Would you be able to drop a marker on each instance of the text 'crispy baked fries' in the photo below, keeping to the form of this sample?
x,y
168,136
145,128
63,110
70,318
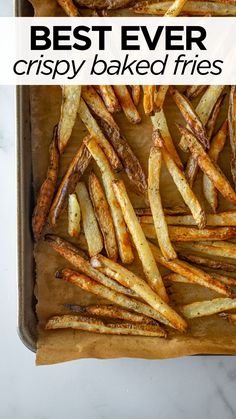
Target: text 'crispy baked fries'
x,y
69,107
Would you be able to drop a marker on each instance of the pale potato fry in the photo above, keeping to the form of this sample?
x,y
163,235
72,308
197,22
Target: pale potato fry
x,y
74,216
226,218
194,91
69,107
172,277
196,275
122,236
127,104
191,8
69,8
148,99
216,147
76,168
229,316
161,229
232,130
190,116
206,262
159,97
216,248
188,195
210,126
208,166
159,123
96,132
208,307
136,93
103,215
90,225
47,190
175,8
222,276
149,265
138,285
90,324
80,261
109,98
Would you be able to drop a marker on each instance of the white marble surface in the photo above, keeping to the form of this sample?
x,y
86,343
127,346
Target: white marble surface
x,y
196,387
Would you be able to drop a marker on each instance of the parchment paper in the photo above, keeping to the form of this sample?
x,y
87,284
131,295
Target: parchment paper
x,y
212,335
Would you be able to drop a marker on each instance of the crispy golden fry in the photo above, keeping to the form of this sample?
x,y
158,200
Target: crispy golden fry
x,y
175,8
148,99
79,260
222,276
232,130
226,218
138,285
191,8
172,277
91,229
109,98
206,262
208,166
74,216
90,324
69,8
210,126
149,265
76,168
130,162
178,176
110,311
127,104
146,212
136,93
47,189
215,248
196,275
229,316
96,104
103,215
194,91
161,229
159,123
122,236
96,132
159,97
208,307
69,107
190,116
216,147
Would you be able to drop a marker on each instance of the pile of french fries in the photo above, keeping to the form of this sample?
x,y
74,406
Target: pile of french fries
x,y
194,246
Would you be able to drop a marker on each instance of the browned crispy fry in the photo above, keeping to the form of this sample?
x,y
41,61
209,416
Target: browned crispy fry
x,y
178,176
104,4
191,8
215,248
194,91
229,316
206,262
208,307
69,8
130,162
149,265
175,8
136,93
103,215
127,104
159,97
69,107
74,216
232,130
47,189
216,147
224,219
160,226
122,236
96,132
190,116
148,99
90,324
176,210
76,168
172,277
210,126
196,275
78,259
109,98
110,311
208,166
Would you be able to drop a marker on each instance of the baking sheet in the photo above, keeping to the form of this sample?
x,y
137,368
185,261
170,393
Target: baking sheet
x,y
212,335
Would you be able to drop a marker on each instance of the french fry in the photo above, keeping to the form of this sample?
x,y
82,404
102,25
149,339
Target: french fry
x,y
122,236
74,216
76,168
69,8
110,311
159,123
149,265
232,130
136,93
138,285
172,277
90,225
103,215
196,275
175,210
90,324
208,166
208,307
215,248
229,316
148,99
175,8
109,98
188,195
216,147
160,226
210,126
47,189
194,91
96,132
79,260
190,116
69,107
191,8
224,219
159,97
127,104
207,262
